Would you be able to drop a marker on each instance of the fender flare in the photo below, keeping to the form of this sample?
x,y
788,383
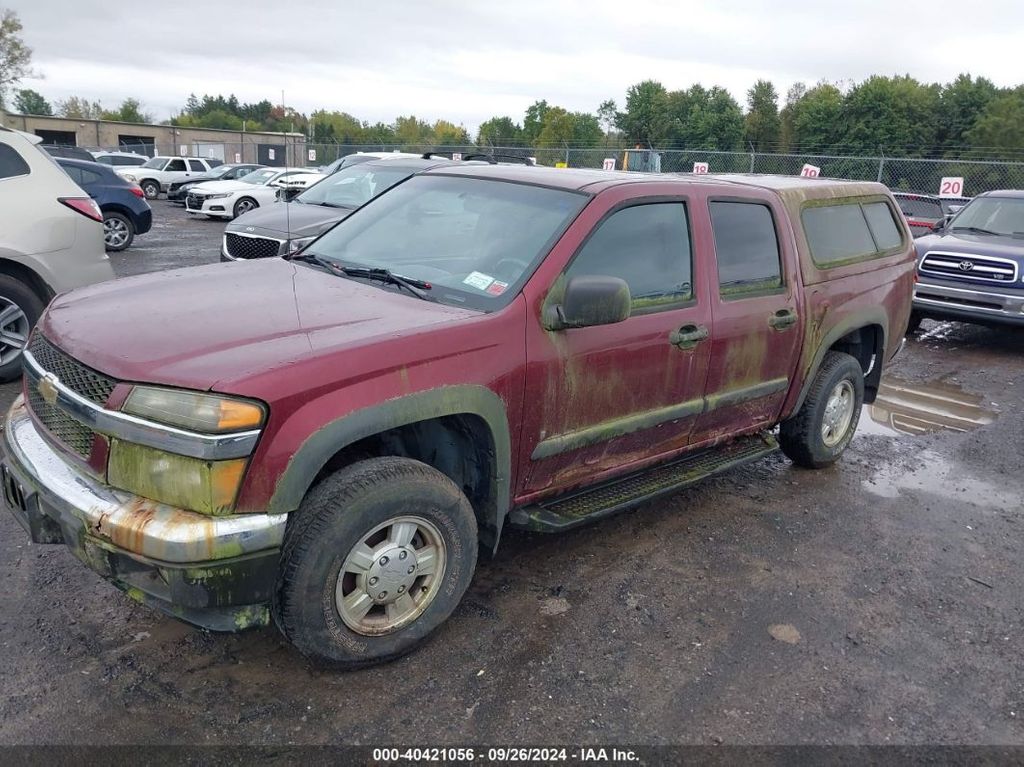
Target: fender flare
x,y
855,321
335,435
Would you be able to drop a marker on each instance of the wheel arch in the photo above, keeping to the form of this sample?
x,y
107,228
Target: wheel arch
x,y
462,431
862,335
28,276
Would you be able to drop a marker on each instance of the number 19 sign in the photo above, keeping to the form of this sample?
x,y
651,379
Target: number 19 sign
x,y
700,168
951,186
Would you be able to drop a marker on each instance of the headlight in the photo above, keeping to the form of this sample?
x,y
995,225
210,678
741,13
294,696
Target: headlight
x,y
217,196
209,487
205,486
294,246
128,177
205,413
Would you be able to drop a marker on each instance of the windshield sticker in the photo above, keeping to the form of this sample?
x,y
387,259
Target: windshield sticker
x,y
496,288
478,280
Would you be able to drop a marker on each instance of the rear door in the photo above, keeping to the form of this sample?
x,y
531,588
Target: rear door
x,y
756,325
608,397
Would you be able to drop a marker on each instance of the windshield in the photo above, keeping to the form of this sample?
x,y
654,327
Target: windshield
x,y
475,241
352,186
261,176
219,171
156,163
998,215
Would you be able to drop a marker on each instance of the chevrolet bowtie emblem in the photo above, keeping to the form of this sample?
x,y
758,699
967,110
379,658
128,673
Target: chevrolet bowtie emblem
x,y
47,388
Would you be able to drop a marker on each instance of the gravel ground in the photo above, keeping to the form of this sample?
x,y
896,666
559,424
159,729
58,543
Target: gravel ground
x,y
879,601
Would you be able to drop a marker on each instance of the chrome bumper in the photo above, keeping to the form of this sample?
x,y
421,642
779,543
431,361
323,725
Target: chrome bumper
x,y
39,484
938,298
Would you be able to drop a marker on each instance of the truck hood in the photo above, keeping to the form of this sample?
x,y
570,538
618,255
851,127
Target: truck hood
x,y
298,219
209,326
976,244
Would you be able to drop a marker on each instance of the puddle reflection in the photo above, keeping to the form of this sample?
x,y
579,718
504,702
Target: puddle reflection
x,y
920,408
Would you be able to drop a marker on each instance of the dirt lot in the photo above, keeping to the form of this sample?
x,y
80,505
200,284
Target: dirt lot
x,y
880,601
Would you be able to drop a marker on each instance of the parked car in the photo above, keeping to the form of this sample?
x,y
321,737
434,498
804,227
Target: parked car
x,y
275,230
357,157
923,211
121,159
971,269
177,191
51,241
123,204
71,152
157,174
230,199
324,441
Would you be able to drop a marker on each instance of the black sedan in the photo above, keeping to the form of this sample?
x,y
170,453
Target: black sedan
x,y
178,190
125,210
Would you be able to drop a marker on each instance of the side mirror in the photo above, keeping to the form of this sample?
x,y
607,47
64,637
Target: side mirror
x,y
591,300
288,193
939,225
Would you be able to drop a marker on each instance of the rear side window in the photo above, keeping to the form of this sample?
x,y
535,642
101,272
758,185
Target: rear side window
x,y
196,165
75,173
746,247
850,231
882,225
11,163
648,246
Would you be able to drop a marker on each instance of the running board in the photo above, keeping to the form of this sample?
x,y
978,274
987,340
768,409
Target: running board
x,y
582,506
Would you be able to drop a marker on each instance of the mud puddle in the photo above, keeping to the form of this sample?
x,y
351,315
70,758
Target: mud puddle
x,y
903,408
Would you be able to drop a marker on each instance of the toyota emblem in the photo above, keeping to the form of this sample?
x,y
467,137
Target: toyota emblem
x,y
966,266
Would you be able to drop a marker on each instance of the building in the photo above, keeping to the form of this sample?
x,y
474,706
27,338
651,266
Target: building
x,y
264,147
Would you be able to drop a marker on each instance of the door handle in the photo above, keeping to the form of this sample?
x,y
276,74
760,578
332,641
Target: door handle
x,y
688,336
782,319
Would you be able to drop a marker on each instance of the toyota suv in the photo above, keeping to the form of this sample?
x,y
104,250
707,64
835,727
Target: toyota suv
x,y
324,441
972,269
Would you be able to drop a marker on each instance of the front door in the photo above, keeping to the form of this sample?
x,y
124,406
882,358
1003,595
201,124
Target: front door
x,y
756,325
602,398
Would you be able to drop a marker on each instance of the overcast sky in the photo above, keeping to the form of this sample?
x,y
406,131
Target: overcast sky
x,y
467,61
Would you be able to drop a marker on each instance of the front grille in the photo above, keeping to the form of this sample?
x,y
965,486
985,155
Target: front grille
x,y
966,266
194,201
239,246
84,381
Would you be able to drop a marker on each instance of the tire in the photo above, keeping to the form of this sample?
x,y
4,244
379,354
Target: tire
x,y
244,205
118,231
319,562
803,437
915,323
20,308
150,188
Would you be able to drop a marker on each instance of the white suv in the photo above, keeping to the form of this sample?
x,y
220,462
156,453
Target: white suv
x,y
156,175
51,240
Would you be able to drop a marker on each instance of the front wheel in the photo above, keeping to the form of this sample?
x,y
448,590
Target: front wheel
x,y
151,189
376,558
245,205
118,231
20,308
820,431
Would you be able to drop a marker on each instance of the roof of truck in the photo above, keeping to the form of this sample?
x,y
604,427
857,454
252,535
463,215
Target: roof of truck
x,y
586,179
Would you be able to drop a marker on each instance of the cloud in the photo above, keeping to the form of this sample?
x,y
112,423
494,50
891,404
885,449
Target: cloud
x,y
468,61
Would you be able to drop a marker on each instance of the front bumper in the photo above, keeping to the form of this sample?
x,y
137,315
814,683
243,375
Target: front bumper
x,y
222,207
940,299
214,572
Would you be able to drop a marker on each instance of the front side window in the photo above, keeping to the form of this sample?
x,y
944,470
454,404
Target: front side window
x,y
175,165
352,186
746,247
475,241
648,246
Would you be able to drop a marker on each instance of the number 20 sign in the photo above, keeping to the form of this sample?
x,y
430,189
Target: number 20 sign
x,y
951,186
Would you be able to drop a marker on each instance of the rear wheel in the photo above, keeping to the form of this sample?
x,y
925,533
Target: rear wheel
x,y
20,308
118,231
818,434
245,205
151,189
376,558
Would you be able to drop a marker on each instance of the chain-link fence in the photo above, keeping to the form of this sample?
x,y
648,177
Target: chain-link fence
x,y
900,174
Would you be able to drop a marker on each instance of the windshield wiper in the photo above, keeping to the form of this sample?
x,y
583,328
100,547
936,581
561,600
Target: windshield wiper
x,y
974,229
416,287
313,258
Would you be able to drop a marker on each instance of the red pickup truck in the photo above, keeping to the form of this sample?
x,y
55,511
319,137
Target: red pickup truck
x,y
325,441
